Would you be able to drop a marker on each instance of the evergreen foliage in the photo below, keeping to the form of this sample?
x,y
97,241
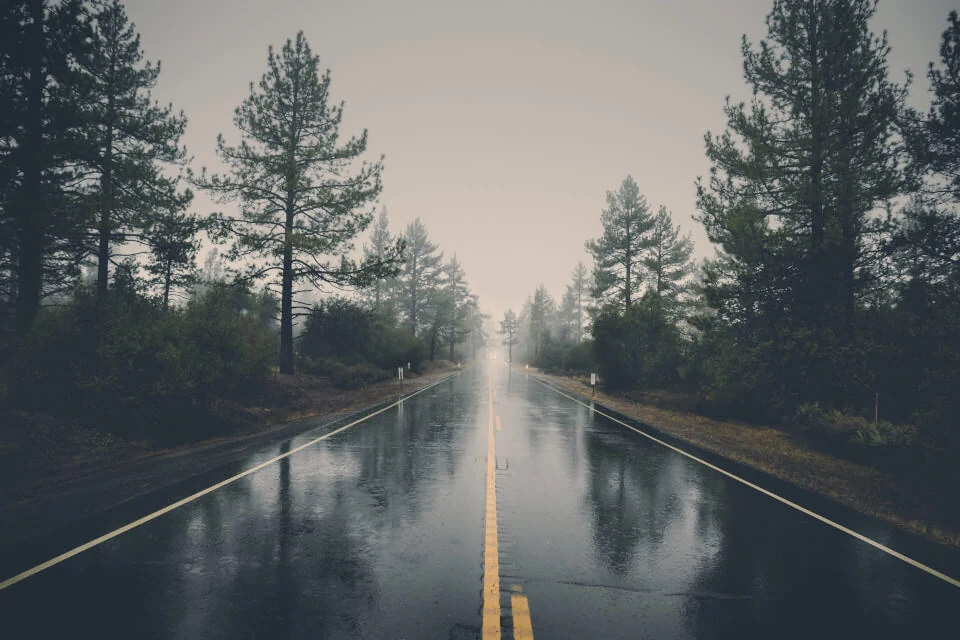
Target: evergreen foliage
x,y
301,204
618,253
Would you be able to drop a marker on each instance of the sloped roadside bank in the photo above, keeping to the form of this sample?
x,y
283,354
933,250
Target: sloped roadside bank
x,y
912,504
108,472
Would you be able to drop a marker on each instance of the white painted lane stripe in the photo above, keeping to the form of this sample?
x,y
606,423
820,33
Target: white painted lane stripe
x,y
835,525
179,503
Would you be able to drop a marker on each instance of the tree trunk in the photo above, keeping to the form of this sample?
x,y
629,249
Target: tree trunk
x,y
31,206
579,315
166,286
286,296
413,298
103,248
817,283
106,203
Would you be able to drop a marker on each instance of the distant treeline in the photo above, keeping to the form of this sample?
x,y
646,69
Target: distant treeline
x,y
833,207
104,313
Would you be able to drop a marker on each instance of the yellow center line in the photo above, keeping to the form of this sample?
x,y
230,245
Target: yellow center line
x,y
522,627
491,555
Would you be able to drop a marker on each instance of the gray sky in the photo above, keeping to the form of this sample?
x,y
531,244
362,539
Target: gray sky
x,y
503,123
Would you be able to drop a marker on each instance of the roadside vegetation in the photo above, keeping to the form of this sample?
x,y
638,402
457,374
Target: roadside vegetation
x,y
108,322
831,310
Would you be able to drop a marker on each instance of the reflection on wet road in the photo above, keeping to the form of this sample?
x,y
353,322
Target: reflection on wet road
x,y
378,532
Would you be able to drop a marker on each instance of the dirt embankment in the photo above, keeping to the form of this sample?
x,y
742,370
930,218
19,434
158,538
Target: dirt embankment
x,y
39,453
913,500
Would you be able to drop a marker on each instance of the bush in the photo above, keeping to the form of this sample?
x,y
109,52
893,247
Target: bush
x,y
640,346
342,330
567,358
851,429
345,376
149,371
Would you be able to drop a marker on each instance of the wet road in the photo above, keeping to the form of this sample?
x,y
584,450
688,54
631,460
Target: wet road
x,y
378,531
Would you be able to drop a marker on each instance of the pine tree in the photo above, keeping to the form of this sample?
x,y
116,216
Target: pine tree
x,y
943,121
172,239
418,277
542,309
618,253
301,204
668,262
40,214
929,238
130,137
795,182
475,320
580,292
567,315
382,246
509,327
457,296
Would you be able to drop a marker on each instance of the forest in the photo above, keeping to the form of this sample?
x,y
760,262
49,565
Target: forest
x,y
106,316
832,304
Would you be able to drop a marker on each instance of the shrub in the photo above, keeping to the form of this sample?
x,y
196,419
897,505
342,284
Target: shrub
x,y
345,376
852,429
567,358
639,346
341,329
146,371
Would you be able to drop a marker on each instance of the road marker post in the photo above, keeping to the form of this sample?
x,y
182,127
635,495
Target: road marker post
x,y
400,375
593,384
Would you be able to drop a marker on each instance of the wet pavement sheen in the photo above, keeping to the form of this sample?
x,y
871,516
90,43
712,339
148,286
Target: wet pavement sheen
x,y
377,532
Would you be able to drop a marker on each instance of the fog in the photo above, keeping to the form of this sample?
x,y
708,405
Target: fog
x,y
503,124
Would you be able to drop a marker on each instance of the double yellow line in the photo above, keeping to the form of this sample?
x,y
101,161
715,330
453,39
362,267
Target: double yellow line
x,y
522,627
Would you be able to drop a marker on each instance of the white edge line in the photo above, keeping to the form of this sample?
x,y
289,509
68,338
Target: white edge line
x,y
179,503
835,525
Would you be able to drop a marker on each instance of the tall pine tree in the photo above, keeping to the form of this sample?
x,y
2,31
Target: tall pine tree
x,y
619,252
795,184
40,144
130,137
417,280
668,262
302,205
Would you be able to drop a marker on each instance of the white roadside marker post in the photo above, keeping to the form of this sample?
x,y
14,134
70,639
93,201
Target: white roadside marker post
x,y
400,375
593,384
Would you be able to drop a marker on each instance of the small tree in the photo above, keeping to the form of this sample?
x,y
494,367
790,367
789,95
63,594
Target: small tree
x,y
458,300
172,239
301,207
508,328
381,247
580,292
542,309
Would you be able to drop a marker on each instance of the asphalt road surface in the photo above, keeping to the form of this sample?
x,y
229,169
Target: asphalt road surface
x,y
486,506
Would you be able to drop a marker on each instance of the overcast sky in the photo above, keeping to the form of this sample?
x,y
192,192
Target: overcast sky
x,y
503,123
